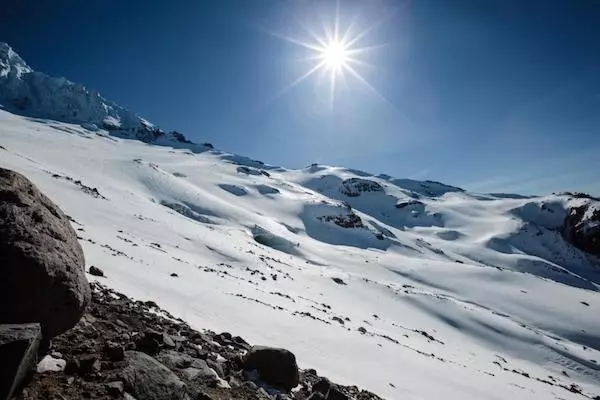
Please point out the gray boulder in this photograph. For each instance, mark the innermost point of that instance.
(200, 371)
(43, 277)
(275, 366)
(18, 355)
(147, 379)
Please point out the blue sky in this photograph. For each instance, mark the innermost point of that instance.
(494, 96)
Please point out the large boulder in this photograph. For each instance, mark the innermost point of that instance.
(147, 379)
(18, 355)
(43, 277)
(275, 366)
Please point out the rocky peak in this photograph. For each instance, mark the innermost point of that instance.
(10, 61)
(35, 94)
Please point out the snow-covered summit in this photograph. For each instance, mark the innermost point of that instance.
(11, 62)
(35, 94)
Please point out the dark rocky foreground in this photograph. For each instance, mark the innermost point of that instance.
(125, 349)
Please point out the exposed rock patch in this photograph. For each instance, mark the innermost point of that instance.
(582, 228)
(348, 220)
(353, 187)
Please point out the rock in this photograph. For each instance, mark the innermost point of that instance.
(322, 386)
(276, 367)
(362, 330)
(235, 381)
(239, 340)
(316, 396)
(149, 343)
(403, 204)
(88, 363)
(336, 394)
(200, 370)
(115, 389)
(581, 228)
(95, 271)
(168, 341)
(72, 367)
(43, 276)
(353, 187)
(174, 275)
(114, 351)
(347, 220)
(241, 343)
(339, 281)
(147, 379)
(175, 360)
(18, 355)
(218, 367)
(51, 364)
(250, 385)
(203, 396)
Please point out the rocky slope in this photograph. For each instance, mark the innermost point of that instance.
(133, 349)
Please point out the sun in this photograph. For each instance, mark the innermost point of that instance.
(333, 52)
(335, 56)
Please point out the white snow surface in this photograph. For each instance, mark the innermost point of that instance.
(462, 295)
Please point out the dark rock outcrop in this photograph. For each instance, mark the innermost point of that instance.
(336, 394)
(322, 386)
(347, 220)
(95, 271)
(18, 355)
(582, 228)
(403, 204)
(43, 278)
(339, 281)
(353, 187)
(276, 366)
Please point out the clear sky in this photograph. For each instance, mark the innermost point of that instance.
(490, 95)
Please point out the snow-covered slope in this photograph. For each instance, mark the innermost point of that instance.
(414, 290)
(453, 291)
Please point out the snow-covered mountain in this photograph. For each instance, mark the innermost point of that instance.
(32, 93)
(414, 290)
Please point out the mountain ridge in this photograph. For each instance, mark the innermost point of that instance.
(39, 95)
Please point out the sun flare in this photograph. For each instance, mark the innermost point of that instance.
(335, 56)
(335, 53)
